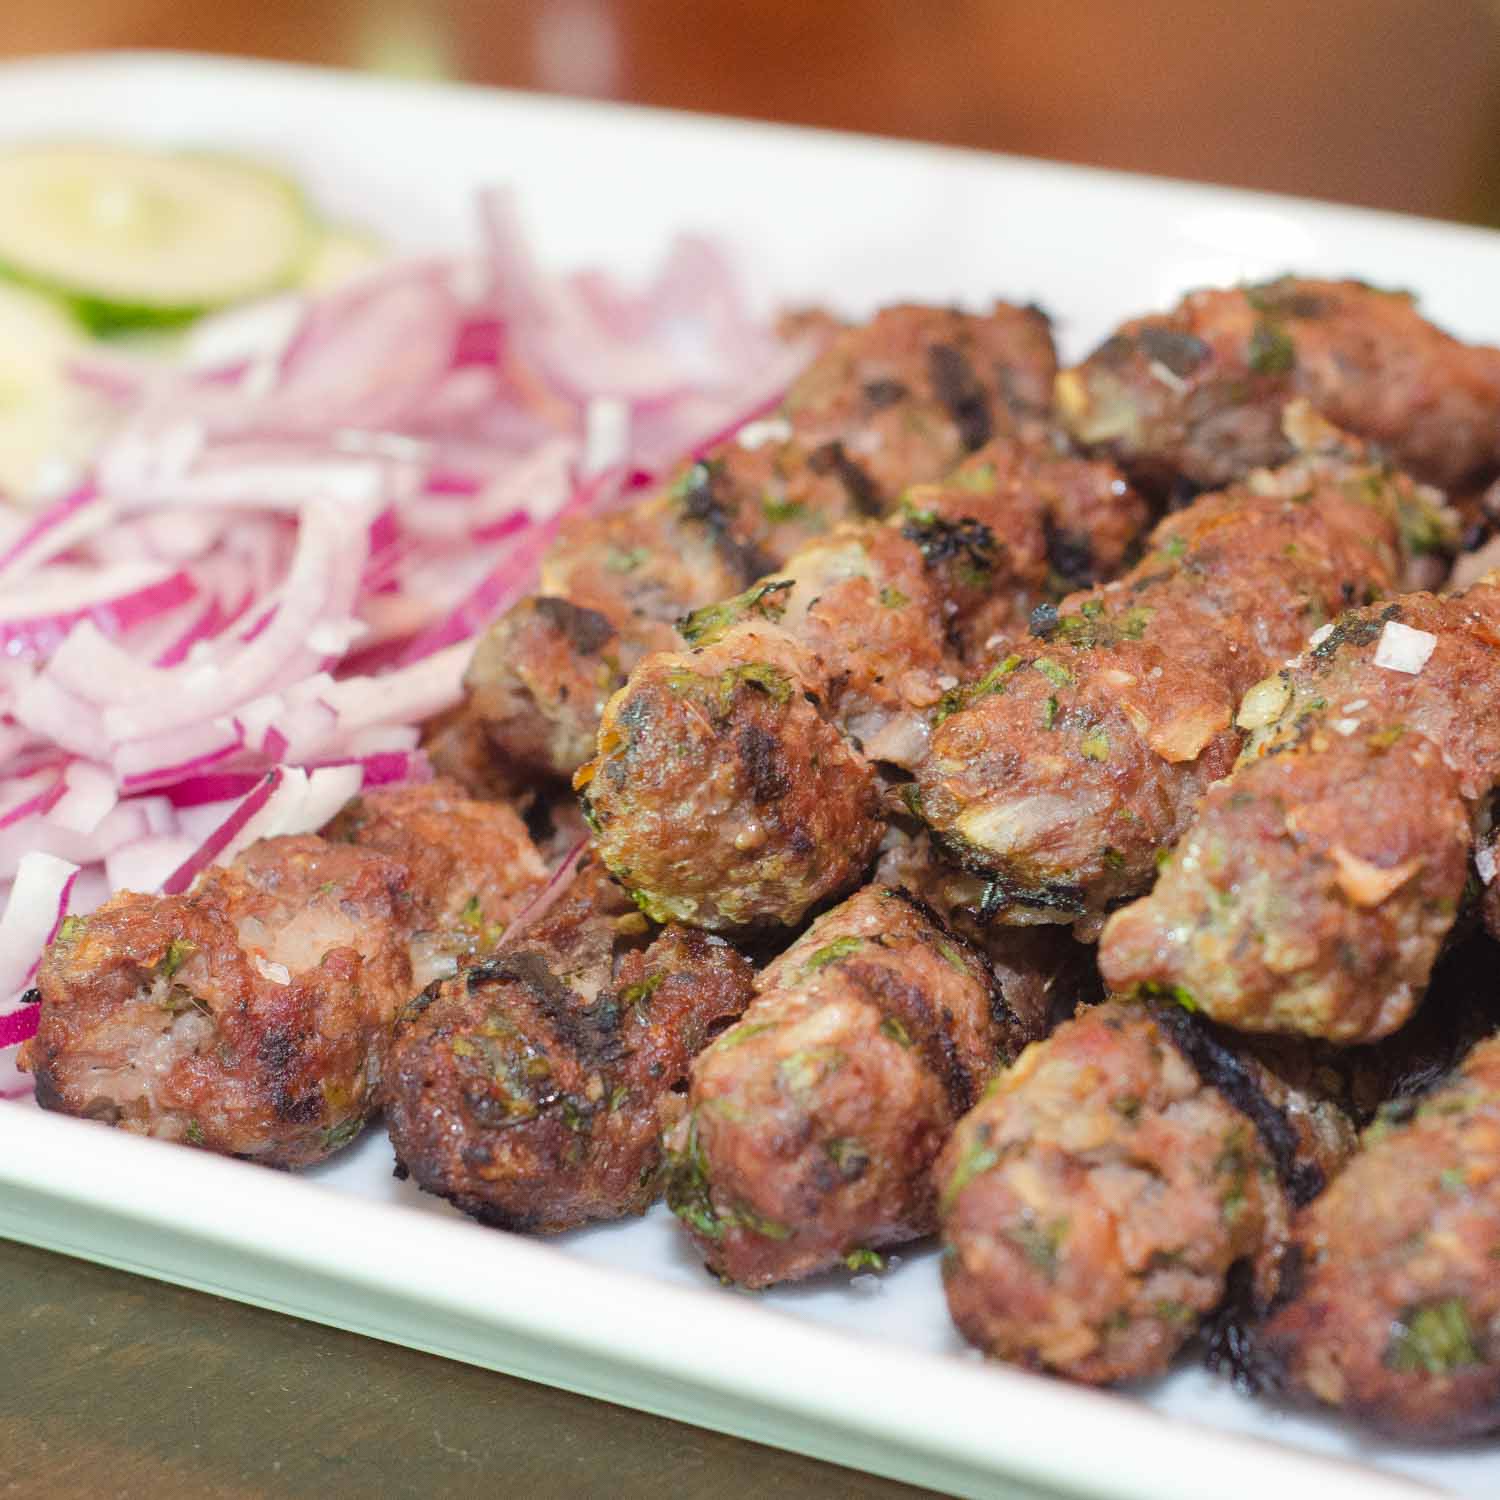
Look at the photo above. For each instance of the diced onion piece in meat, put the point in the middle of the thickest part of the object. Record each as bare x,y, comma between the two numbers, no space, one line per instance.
1402,649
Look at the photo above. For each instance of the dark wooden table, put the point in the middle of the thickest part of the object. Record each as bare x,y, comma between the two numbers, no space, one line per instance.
111,1385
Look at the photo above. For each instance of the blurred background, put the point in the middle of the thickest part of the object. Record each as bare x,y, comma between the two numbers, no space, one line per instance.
1393,103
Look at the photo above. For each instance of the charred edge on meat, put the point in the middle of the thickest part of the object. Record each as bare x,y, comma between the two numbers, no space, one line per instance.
585,630
883,393
700,503
911,1003
1231,1348
1218,1068
1001,893
1007,1022
958,388
940,540
591,1032
863,492
1070,554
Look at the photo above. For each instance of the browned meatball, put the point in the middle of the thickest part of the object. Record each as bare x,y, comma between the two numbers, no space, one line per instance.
1095,1202
1063,771
813,1124
531,1089
1397,1319
1196,394
893,402
471,866
1317,884
722,796
842,656
249,1016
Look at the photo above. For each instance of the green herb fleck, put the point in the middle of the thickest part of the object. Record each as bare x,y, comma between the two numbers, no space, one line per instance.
952,955
1095,745
1055,673
1174,992
757,674
1049,713
626,559
705,626
776,511
737,1036
1434,1338
978,1157
1272,351
831,953
337,1136
802,1069
891,1027
1040,1244
861,1258
848,1156
757,1223
194,1133
1454,1179
642,990
893,598
71,927
178,953
1174,546
688,1188
977,477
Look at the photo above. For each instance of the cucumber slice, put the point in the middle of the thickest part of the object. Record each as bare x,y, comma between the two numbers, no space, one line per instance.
338,256
35,338
138,239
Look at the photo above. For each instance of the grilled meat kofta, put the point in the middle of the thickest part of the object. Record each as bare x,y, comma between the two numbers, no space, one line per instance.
812,1125
1063,771
1098,1199
735,784
532,1087
1317,884
249,1016
471,866
1195,395
896,401
1396,1319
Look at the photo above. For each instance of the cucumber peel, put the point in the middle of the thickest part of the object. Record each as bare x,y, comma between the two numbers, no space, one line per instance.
132,239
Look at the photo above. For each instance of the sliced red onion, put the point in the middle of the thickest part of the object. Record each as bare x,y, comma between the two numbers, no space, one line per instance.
37,620
38,902
546,898
27,796
289,800
50,520
89,796
272,571
145,864
18,1026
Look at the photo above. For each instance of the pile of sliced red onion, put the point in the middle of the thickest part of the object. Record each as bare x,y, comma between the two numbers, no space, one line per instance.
273,567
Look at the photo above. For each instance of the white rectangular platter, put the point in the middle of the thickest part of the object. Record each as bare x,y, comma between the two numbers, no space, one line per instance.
862,1371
